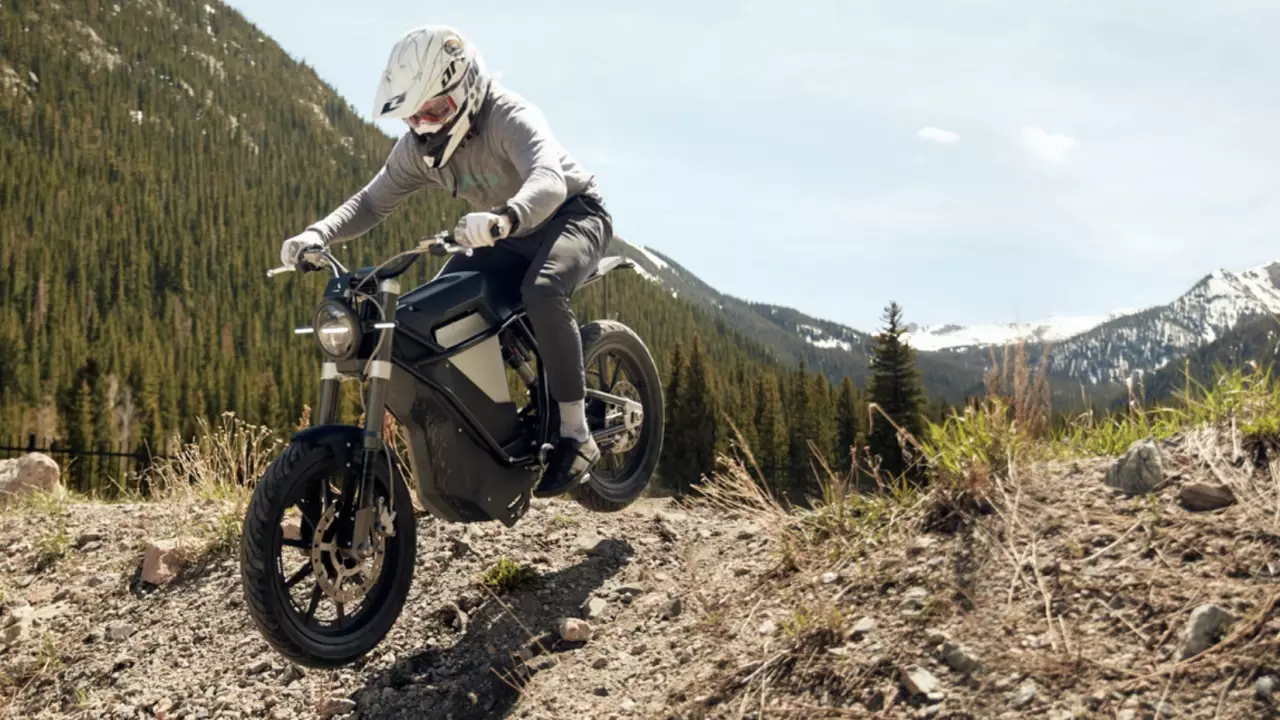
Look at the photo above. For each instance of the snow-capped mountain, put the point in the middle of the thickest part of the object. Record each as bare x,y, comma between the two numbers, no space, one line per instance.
1146,341
1088,349
1052,329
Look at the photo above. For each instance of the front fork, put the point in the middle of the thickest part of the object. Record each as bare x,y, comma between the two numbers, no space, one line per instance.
357,511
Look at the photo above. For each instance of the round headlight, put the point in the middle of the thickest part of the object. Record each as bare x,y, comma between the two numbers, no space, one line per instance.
337,330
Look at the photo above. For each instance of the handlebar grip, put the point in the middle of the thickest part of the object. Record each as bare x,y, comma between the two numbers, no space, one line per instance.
438,249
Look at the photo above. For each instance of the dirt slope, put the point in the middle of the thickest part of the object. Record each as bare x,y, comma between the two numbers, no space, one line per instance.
102,647
1062,599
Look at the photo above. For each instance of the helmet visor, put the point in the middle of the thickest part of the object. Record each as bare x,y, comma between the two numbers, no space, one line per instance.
435,112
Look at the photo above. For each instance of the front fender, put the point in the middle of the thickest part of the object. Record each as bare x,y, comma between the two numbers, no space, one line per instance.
346,443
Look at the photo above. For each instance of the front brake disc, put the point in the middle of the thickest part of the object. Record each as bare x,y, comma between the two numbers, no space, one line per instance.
338,572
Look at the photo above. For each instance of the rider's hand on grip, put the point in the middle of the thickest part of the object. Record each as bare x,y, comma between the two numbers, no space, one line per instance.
481,229
292,251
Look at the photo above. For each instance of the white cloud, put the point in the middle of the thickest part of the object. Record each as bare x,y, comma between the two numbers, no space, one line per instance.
938,135
1049,147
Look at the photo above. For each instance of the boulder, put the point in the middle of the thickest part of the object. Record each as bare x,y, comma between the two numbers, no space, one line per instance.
1140,470
27,474
1205,625
959,657
1203,497
918,681
574,630
164,559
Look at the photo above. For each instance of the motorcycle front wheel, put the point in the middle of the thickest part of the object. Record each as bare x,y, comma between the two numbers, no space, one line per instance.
316,604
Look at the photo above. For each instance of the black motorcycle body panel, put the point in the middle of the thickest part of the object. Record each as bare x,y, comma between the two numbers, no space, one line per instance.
474,454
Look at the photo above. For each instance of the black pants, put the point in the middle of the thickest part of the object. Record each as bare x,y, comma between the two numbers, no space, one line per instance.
550,264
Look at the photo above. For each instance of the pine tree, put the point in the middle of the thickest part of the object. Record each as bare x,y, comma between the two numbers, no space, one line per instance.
800,417
675,441
771,451
895,389
698,407
848,432
104,433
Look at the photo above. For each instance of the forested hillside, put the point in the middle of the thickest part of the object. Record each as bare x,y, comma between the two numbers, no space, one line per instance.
154,155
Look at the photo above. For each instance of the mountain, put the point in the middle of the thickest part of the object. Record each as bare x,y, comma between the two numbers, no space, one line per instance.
959,337
834,349
1146,341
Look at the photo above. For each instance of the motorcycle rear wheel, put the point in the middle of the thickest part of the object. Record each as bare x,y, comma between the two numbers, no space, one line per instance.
615,358
303,477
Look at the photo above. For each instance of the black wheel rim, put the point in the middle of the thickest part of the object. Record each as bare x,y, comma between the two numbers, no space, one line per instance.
606,372
307,607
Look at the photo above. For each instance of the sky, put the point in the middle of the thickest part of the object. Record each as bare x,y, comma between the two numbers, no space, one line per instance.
978,161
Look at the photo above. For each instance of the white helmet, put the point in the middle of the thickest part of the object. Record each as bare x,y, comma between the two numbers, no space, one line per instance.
435,81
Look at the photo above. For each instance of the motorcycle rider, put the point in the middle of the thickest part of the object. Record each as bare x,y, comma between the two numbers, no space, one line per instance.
538,218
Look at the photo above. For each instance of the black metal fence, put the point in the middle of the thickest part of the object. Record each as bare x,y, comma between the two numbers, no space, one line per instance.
102,471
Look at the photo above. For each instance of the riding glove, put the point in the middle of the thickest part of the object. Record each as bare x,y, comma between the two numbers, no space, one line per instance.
481,229
292,250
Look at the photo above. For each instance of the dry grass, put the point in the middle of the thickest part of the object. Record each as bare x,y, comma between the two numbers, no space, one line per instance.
1034,548
219,468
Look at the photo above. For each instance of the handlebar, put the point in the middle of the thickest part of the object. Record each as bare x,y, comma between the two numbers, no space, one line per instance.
439,245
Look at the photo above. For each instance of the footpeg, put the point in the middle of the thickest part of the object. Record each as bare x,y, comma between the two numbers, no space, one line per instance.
543,452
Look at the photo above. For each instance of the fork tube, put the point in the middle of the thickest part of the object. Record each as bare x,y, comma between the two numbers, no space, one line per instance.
380,369
329,383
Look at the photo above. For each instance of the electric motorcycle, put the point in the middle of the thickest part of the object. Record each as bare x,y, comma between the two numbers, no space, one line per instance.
328,542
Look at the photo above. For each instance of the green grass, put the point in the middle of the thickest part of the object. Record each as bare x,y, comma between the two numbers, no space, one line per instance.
53,548
507,575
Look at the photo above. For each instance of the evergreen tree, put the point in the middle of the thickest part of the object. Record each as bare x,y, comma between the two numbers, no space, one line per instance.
771,451
895,389
848,432
104,433
801,423
698,408
675,441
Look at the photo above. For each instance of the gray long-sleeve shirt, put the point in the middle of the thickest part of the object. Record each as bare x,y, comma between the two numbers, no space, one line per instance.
514,160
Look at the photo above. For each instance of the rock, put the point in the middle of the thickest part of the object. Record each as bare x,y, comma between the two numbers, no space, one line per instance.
768,627
746,533
91,546
291,528
164,559
862,628
119,630
292,672
19,613
1204,626
1203,497
913,599
919,681
829,578
601,691
574,630
600,663
593,608
627,705
1025,695
335,705
30,473
672,609
959,658
639,649
628,591
18,631
587,543
1140,470
1265,686
85,538
259,666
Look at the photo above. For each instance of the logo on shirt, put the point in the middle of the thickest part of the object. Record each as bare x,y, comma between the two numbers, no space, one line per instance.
468,182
